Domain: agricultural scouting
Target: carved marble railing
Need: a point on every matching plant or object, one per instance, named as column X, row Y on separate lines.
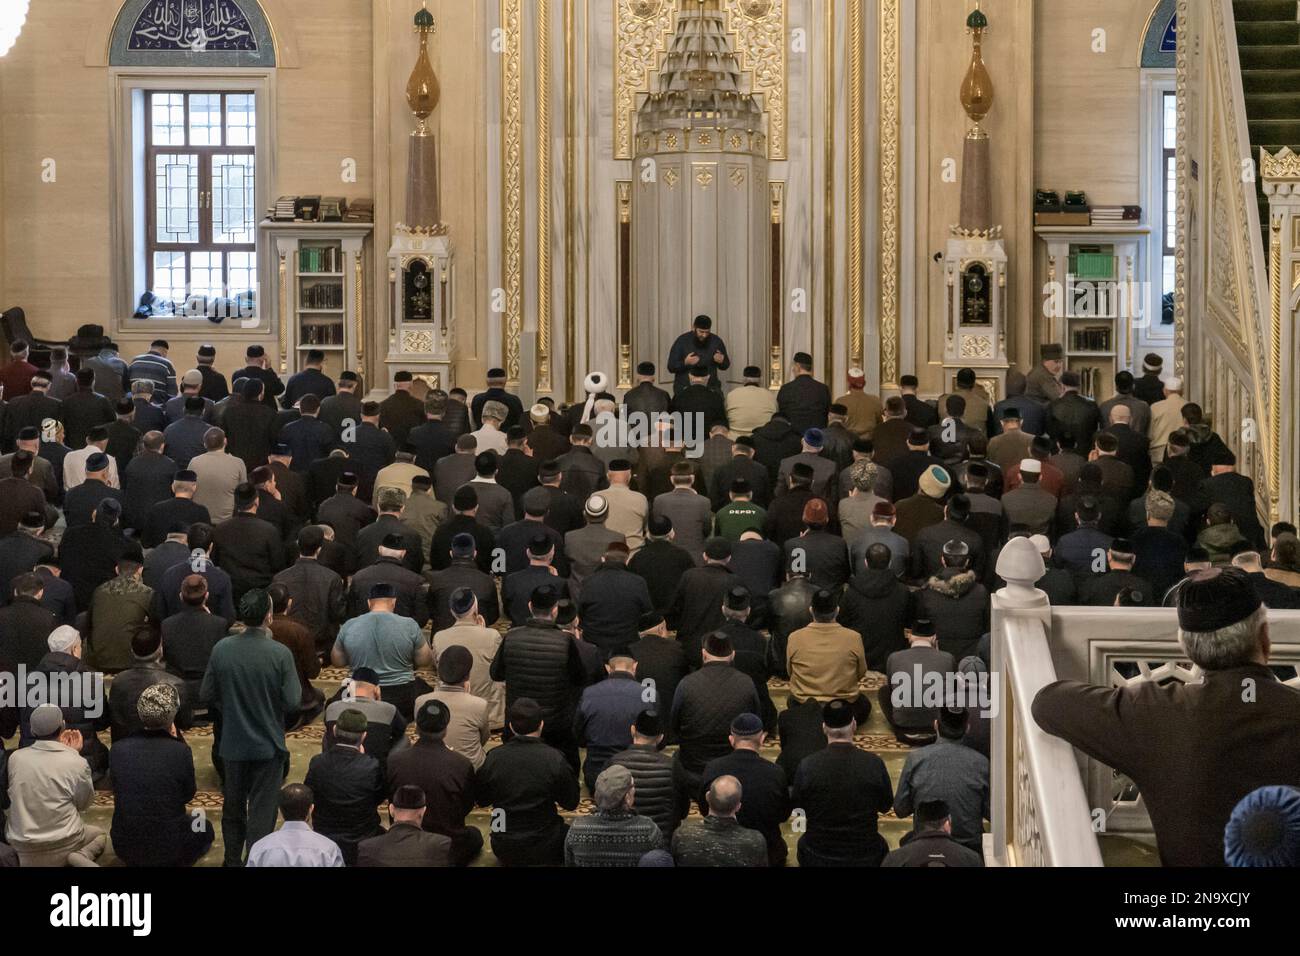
column 1231, row 346
column 1049, row 802
column 1040, row 813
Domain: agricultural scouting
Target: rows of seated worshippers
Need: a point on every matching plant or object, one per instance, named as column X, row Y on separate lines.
column 620, row 616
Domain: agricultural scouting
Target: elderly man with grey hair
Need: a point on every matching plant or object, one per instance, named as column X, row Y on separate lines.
column 615, row 835
column 1194, row 749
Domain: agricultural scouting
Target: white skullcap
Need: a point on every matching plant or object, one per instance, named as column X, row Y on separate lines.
column 540, row 414
column 1040, row 542
column 1031, row 466
column 596, row 383
column 1174, row 384
column 63, row 639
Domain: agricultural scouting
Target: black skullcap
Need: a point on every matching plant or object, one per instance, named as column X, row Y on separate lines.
column 718, row 645
column 703, row 322
column 923, row 628
column 382, row 592
column 537, row 501
column 251, row 388
column 918, row 436
column 566, row 612
column 96, row 462
column 740, row 487
column 745, row 441
column 1011, row 414
column 254, row 606
column 738, row 599
column 365, row 675
column 462, row 599
column 544, row 598
column 185, row 477
column 620, row 464
column 646, row 369
column 255, row 351
column 394, row 542
column 659, row 526
column 423, row 482
column 465, row 499
column 207, row 351
column 408, row 797
column 30, row 433
column 1214, row 599
column 753, row 371
column 525, row 716
column 649, row 621
column 462, row 546
column 747, row 725
column 432, row 717
column 717, row 549
column 837, row 714
column 540, row 544
column 348, row 479
column 648, row 723
column 454, row 664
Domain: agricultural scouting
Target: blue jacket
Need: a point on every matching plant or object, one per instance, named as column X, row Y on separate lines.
column 604, row 719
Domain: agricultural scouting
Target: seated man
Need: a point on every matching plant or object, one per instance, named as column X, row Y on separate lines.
column 653, row 771
column 447, row 779
column 930, row 843
column 524, row 779
column 406, row 844
column 146, row 671
column 1194, row 750
column 826, row 661
column 469, row 729
column 153, row 782
column 119, row 610
column 615, row 835
column 606, row 713
column 909, row 671
column 950, row 771
column 767, row 792
column 295, row 844
column 842, row 790
column 49, row 788
column 390, row 645
column 348, row 787
column 719, row 839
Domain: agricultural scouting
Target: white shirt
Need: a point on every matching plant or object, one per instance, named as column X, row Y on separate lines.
column 74, row 468
column 295, row 845
column 491, row 439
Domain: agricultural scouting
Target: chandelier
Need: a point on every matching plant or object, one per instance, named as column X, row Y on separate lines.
column 13, row 14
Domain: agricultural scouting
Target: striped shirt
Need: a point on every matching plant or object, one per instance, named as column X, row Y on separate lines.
column 152, row 367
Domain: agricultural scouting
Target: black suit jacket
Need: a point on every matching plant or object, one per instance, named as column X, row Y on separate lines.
column 405, row 846
column 249, row 550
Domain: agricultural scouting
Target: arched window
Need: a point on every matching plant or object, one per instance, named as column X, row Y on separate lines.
column 1159, row 169
column 194, row 86
column 192, row 33
column 1160, row 46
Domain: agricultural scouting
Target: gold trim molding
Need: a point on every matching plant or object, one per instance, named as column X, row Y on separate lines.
column 512, row 185
column 857, row 209
column 890, row 187
column 1181, row 172
column 761, row 42
column 544, row 277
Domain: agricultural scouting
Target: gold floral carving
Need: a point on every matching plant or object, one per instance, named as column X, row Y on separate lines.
column 417, row 343
column 890, row 187
column 704, row 176
column 760, row 28
column 512, row 185
column 1284, row 164
column 737, row 178
column 1185, row 186
column 542, row 14
column 671, row 178
column 641, row 30
column 977, row 347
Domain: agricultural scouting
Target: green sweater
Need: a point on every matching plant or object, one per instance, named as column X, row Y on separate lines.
column 737, row 518
column 252, row 680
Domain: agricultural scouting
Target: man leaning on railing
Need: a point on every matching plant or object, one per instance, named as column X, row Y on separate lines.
column 1194, row 750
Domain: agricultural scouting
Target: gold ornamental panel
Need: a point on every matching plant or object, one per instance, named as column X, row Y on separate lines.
column 417, row 342
column 641, row 32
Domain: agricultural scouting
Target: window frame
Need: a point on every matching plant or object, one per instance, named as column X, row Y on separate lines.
column 1156, row 83
column 130, row 220
column 205, row 156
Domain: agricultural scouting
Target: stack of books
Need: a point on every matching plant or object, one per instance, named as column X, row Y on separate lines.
column 360, row 210
column 283, row 209
column 1115, row 215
